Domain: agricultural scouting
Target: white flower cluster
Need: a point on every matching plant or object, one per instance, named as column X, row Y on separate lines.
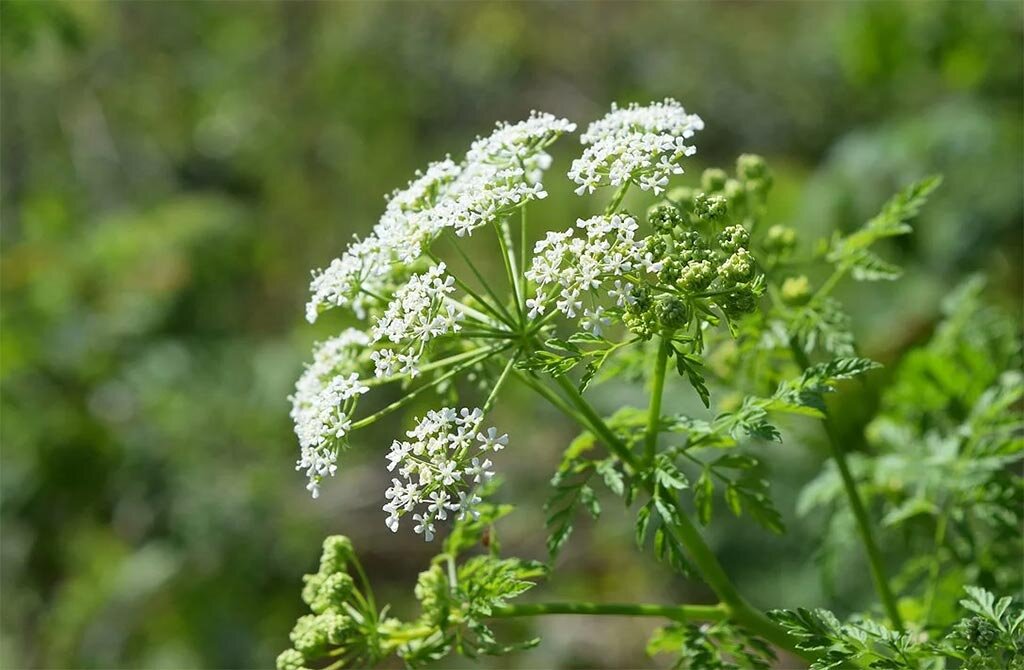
column 325, row 396
column 521, row 144
column 442, row 465
column 638, row 144
column 565, row 267
column 499, row 174
column 419, row 311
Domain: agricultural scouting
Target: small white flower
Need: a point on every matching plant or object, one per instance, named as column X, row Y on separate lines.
column 491, row 440
column 424, row 527
column 439, row 505
column 594, row 321
column 438, row 465
column 478, row 470
column 621, row 293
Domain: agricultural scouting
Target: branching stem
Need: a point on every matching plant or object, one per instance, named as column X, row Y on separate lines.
column 686, row 533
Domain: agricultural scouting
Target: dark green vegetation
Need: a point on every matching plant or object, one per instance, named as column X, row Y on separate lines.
column 171, row 171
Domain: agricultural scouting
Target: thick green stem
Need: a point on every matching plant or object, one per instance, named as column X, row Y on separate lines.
column 654, row 411
column 860, row 512
column 703, row 558
column 683, row 613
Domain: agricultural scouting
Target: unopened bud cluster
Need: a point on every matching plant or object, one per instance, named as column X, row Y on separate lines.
column 700, row 244
column 335, row 603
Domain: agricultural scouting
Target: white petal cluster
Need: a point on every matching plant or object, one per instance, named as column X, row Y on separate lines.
column 441, row 466
column 521, row 144
column 322, row 404
column 365, row 269
column 568, row 268
column 419, row 312
column 500, row 173
column 639, row 144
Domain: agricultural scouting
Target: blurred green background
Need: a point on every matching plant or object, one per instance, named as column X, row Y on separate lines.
column 171, row 171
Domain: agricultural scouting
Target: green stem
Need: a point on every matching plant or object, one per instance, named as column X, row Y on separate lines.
column 501, row 382
column 860, row 513
column 433, row 365
column 408, row 397
column 499, row 313
column 617, row 199
column 676, row 613
column 501, row 229
column 829, row 284
column 703, row 558
column 933, row 572
column 522, row 248
column 654, row 411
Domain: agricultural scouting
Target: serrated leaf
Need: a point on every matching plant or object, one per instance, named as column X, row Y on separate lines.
column 691, row 367
column 612, row 477
column 643, row 521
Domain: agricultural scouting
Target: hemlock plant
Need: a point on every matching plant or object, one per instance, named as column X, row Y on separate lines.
column 694, row 287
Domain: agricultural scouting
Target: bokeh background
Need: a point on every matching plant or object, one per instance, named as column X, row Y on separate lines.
column 171, row 171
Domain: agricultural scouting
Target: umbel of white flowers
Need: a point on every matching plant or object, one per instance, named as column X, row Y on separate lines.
column 419, row 316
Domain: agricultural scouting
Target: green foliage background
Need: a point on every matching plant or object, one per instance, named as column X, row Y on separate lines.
column 172, row 171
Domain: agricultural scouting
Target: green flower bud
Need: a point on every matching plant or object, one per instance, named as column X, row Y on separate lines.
column 979, row 633
column 713, row 180
column 737, row 268
column 733, row 238
column 780, row 239
column 429, row 584
column 323, row 592
column 664, row 217
column 690, row 247
column 656, row 245
column 338, row 550
column 735, row 193
column 682, row 197
column 710, row 208
column 738, row 302
column 670, row 271
column 751, row 166
column 642, row 324
column 290, row 659
column 314, row 633
column 641, row 300
column 796, row 290
column 697, row 275
column 672, row 312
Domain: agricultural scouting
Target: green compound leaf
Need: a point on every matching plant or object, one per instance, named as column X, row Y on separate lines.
column 851, row 253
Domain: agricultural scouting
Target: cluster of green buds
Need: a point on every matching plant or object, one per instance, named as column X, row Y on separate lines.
column 343, row 620
column 701, row 241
